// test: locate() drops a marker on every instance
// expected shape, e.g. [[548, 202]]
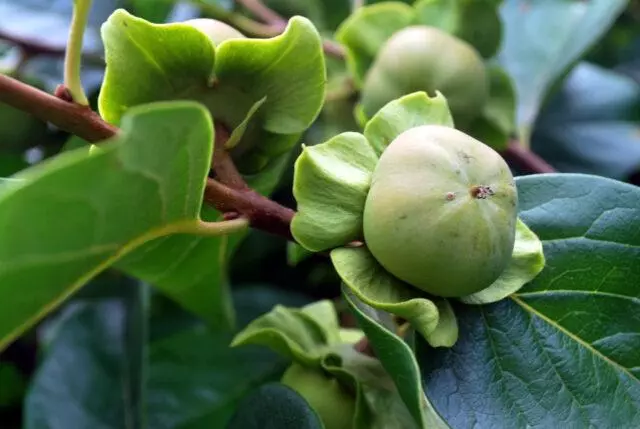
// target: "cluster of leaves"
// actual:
[[114, 275]]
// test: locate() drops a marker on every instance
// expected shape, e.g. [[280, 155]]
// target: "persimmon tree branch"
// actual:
[[70, 117], [262, 12], [229, 193], [527, 160]]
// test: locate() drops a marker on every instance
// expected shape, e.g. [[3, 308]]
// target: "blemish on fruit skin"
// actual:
[[481, 192], [450, 196]]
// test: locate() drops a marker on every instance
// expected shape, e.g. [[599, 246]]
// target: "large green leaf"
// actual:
[[562, 351], [275, 406], [543, 38], [194, 379], [95, 371], [74, 215]]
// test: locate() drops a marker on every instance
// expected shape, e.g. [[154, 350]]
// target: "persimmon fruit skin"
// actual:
[[335, 407], [441, 211], [422, 58]]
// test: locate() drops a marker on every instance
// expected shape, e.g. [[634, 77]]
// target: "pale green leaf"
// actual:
[[299, 334], [70, 217]]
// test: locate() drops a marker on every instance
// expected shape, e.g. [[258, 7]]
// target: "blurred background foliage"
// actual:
[[80, 360]]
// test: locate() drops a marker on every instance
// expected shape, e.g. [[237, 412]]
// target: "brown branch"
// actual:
[[70, 117], [526, 159], [263, 12], [262, 213], [334, 49], [33, 46], [224, 167]]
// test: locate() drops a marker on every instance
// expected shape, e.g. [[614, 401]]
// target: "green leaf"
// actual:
[[196, 380], [477, 22], [97, 352], [288, 69], [397, 359], [562, 351], [543, 39], [149, 62], [302, 335], [186, 387], [366, 30], [409, 111], [274, 406], [371, 283], [144, 184], [590, 125], [526, 263], [330, 185], [497, 122]]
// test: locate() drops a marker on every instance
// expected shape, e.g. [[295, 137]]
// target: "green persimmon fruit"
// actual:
[[335, 407], [441, 211], [422, 58], [216, 31]]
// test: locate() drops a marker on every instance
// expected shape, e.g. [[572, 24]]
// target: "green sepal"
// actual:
[[239, 131], [371, 283], [149, 62], [304, 335], [366, 30], [330, 185], [497, 121], [288, 69], [409, 111], [477, 22], [446, 332], [527, 261]]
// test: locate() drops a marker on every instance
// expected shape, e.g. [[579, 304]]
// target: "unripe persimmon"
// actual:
[[216, 31], [441, 211], [422, 58], [335, 406]]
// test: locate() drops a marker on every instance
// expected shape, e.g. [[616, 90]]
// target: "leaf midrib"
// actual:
[[634, 299], [574, 337]]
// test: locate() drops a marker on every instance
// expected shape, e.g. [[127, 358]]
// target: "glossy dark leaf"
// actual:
[[95, 367], [588, 126], [543, 38], [564, 350], [275, 406]]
